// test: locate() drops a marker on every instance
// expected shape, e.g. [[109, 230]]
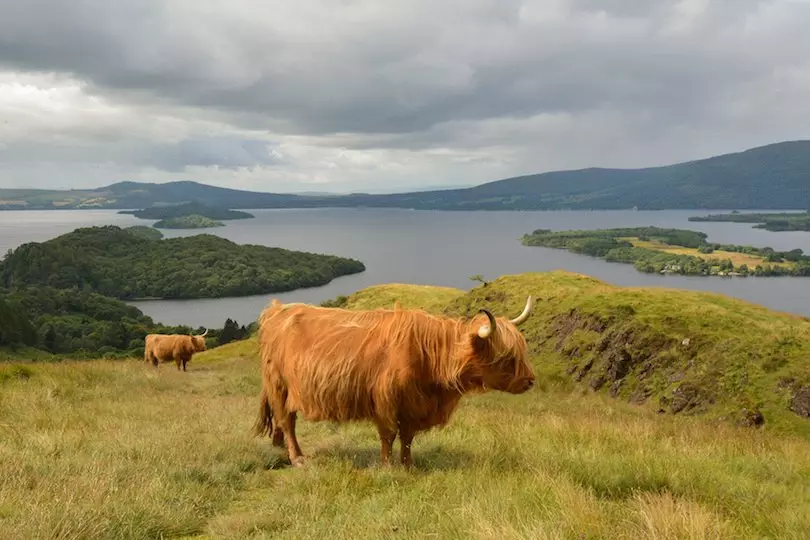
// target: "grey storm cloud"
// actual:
[[420, 75], [220, 152]]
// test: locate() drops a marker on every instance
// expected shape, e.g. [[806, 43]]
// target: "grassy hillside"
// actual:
[[775, 176], [176, 458], [674, 352]]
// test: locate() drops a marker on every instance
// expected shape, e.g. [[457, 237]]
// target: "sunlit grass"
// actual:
[[104, 449], [117, 449], [736, 258]]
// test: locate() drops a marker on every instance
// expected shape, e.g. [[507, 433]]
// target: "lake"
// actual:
[[432, 248]]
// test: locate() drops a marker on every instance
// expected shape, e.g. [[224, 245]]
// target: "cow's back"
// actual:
[[340, 365], [335, 365], [164, 347]]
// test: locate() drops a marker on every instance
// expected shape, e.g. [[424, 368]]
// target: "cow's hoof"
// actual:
[[299, 462]]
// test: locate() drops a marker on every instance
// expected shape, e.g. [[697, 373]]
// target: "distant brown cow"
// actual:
[[161, 348], [405, 370]]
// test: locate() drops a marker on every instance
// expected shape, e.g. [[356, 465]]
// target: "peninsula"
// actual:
[[673, 251]]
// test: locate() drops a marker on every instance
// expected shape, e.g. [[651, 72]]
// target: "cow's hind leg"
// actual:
[[288, 428], [387, 437], [278, 437], [406, 434]]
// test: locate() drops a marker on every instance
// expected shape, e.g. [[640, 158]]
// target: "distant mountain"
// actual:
[[775, 176]]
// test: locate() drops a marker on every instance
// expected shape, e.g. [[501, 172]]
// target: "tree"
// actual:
[[229, 332], [480, 278]]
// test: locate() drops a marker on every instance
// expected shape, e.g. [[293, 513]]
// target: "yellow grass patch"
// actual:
[[737, 259]]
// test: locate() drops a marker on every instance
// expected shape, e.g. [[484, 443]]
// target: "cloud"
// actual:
[[362, 94]]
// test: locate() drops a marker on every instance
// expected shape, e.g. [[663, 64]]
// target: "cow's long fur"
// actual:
[[405, 370], [161, 348]]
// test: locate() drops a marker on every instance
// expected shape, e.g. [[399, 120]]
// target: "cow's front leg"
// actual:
[[406, 434], [387, 437]]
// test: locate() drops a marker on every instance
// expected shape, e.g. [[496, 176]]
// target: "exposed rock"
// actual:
[[597, 382], [619, 363], [686, 397], [801, 402]]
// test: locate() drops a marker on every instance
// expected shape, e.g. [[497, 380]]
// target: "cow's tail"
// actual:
[[264, 420]]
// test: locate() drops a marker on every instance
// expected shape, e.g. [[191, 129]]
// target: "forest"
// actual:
[[193, 221], [64, 296], [87, 324], [114, 262]]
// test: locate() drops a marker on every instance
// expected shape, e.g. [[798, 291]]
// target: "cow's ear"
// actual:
[[486, 328]]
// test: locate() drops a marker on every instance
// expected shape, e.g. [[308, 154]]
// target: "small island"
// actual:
[[193, 221], [673, 251], [191, 215], [777, 222]]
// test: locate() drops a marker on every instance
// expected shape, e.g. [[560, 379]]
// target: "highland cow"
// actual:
[[162, 348], [404, 370]]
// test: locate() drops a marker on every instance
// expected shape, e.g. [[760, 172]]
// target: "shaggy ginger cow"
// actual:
[[404, 370], [161, 348]]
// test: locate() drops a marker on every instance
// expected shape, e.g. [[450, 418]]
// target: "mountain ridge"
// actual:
[[774, 176]]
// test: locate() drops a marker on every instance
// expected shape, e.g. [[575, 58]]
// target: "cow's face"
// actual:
[[199, 343], [501, 357]]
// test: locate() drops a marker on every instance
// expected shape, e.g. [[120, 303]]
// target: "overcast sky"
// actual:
[[341, 95]]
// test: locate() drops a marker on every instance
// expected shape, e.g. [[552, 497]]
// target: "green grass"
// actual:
[[104, 449]]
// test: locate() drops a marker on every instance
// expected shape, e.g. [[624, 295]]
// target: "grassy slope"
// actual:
[[103, 449]]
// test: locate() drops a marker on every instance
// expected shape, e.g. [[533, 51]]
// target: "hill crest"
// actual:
[[774, 176]]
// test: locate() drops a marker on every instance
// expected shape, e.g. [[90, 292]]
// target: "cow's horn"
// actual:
[[204, 333], [486, 331], [520, 319]]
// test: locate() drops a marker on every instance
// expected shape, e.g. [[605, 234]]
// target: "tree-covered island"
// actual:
[[673, 251], [114, 262], [776, 222], [193, 215], [188, 209], [64, 296]]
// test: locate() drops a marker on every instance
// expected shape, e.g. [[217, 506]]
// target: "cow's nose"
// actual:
[[529, 384]]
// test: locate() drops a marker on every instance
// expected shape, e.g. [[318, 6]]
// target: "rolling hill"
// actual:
[[776, 176], [630, 433]]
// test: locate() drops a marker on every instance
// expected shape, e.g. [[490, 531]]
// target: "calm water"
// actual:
[[434, 248]]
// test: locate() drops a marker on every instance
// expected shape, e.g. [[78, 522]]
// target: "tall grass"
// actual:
[[104, 449]]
